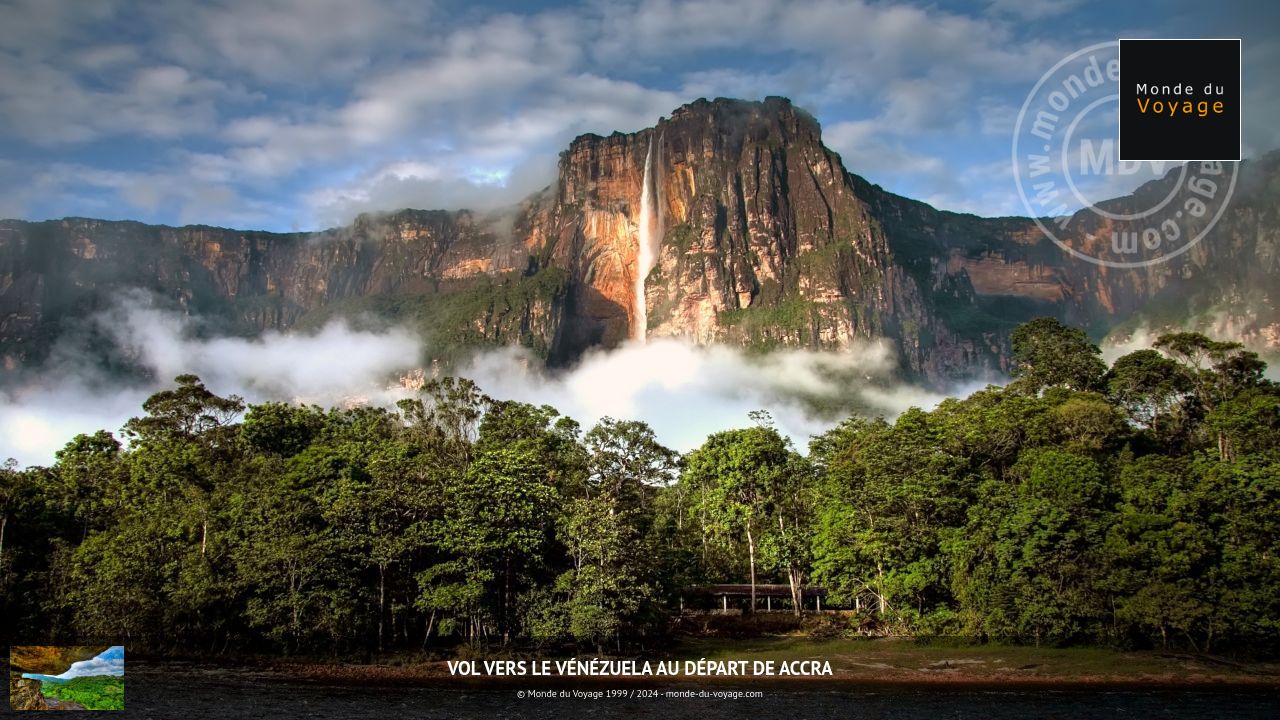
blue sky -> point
(297, 114)
(109, 662)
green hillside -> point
(94, 693)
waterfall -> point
(650, 237)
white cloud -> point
(417, 184)
(42, 28)
(100, 58)
(518, 150)
(656, 383)
(980, 189)
(997, 117)
(294, 42)
(659, 381)
(198, 197)
(95, 667)
(51, 106)
(109, 663)
(1033, 9)
(920, 105)
(40, 417)
(868, 148)
(309, 101)
(273, 365)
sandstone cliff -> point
(766, 241)
(24, 693)
(759, 234)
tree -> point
(888, 494)
(383, 513)
(738, 474)
(291, 571)
(1195, 349)
(446, 417)
(1231, 369)
(790, 548)
(1087, 423)
(1025, 563)
(280, 428)
(188, 411)
(495, 534)
(92, 477)
(608, 586)
(993, 426)
(182, 443)
(119, 582)
(1248, 423)
(1158, 550)
(1240, 497)
(1234, 371)
(9, 490)
(1047, 353)
(626, 461)
(610, 583)
(1053, 516)
(1147, 385)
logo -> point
(1082, 196)
(1180, 99)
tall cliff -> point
(765, 239)
(727, 222)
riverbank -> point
(866, 661)
(229, 692)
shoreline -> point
(855, 663)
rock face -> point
(763, 239)
(459, 274)
(24, 693)
(766, 240)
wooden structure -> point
(736, 595)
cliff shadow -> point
(591, 320)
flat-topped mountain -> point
(728, 222)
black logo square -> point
(1180, 99)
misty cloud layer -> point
(1219, 326)
(684, 391)
(74, 396)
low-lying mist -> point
(683, 390)
(1218, 326)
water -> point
(162, 691)
(650, 237)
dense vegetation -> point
(94, 693)
(464, 315)
(1130, 506)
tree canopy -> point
(1134, 505)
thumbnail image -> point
(66, 677)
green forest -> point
(1130, 506)
(94, 693)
